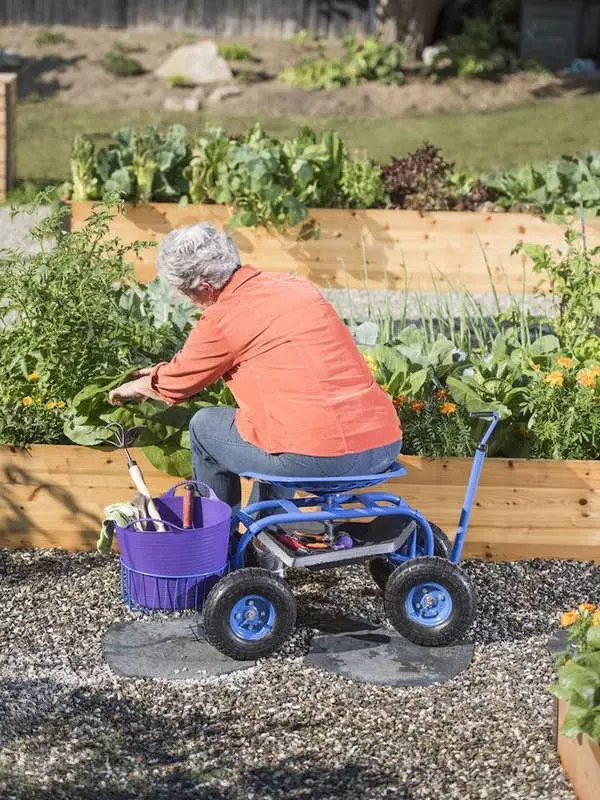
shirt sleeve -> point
(205, 357)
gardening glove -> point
(122, 514)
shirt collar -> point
(239, 277)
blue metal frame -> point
(332, 501)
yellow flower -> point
(448, 408)
(596, 618)
(587, 607)
(534, 365)
(371, 364)
(565, 361)
(33, 376)
(50, 404)
(61, 404)
(554, 378)
(28, 401)
(568, 618)
(586, 378)
(596, 371)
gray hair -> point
(196, 254)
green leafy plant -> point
(231, 51)
(485, 45)
(560, 187)
(122, 65)
(370, 60)
(50, 36)
(83, 170)
(361, 184)
(578, 673)
(70, 312)
(573, 278)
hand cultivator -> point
(248, 611)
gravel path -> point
(71, 729)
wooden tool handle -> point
(188, 505)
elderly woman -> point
(307, 402)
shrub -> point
(176, 80)
(235, 52)
(119, 64)
(72, 312)
(49, 36)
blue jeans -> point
(219, 455)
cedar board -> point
(54, 495)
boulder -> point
(198, 63)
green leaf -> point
(172, 459)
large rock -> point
(198, 63)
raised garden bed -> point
(54, 496)
(580, 759)
(397, 249)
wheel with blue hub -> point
(430, 601)
(381, 567)
(249, 614)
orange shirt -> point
(299, 380)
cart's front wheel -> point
(430, 601)
(381, 567)
(249, 614)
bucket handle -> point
(173, 489)
(170, 526)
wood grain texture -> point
(395, 249)
(580, 759)
(54, 496)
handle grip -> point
(484, 415)
(173, 489)
(187, 515)
(140, 484)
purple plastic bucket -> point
(176, 569)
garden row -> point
(64, 349)
(275, 183)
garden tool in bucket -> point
(123, 438)
(174, 568)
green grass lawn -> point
(475, 141)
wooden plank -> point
(54, 496)
(580, 759)
(397, 249)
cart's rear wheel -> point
(381, 567)
(249, 614)
(430, 601)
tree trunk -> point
(411, 22)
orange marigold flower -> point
(596, 370)
(534, 365)
(568, 618)
(50, 404)
(448, 408)
(400, 401)
(587, 607)
(33, 376)
(565, 361)
(554, 378)
(586, 378)
(27, 401)
(61, 404)
(441, 394)
(417, 405)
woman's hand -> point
(132, 391)
(141, 372)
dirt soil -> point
(72, 72)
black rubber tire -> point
(225, 594)
(381, 567)
(454, 581)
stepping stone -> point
(173, 649)
(379, 655)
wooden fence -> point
(274, 18)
